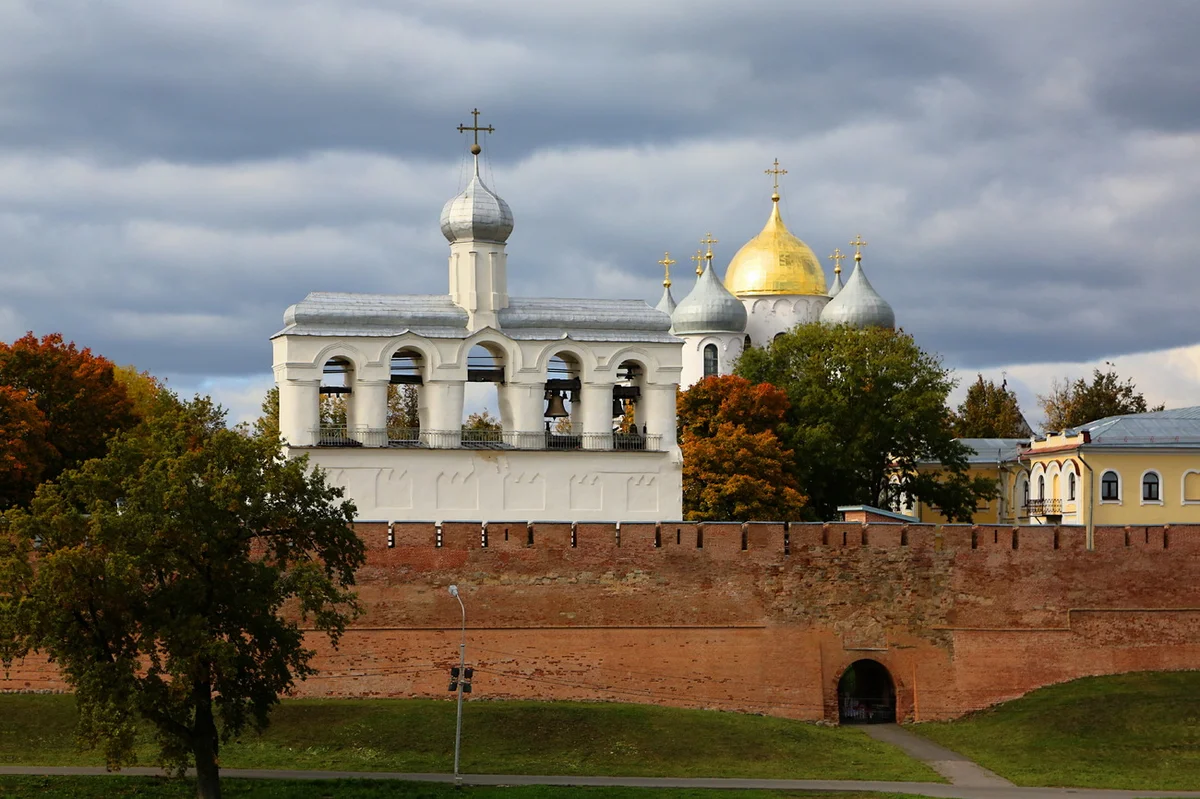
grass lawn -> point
(1136, 731)
(413, 735)
(148, 788)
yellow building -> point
(1136, 469)
(995, 458)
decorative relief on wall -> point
(394, 488)
(587, 492)
(458, 491)
(642, 493)
(524, 491)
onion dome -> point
(667, 303)
(708, 308)
(478, 214)
(858, 304)
(836, 285)
(775, 262)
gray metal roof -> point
(991, 450)
(1178, 427)
(436, 316)
(836, 285)
(709, 308)
(666, 303)
(859, 304)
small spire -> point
(474, 128)
(666, 265)
(858, 244)
(775, 171)
(698, 259)
(837, 259)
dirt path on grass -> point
(959, 770)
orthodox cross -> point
(698, 258)
(837, 259)
(474, 128)
(858, 244)
(776, 172)
(666, 265)
(708, 241)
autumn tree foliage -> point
(990, 411)
(25, 452)
(1074, 402)
(79, 398)
(734, 466)
(162, 576)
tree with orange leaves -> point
(79, 399)
(23, 447)
(734, 466)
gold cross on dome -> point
(837, 259)
(858, 244)
(474, 127)
(698, 259)
(776, 172)
(666, 265)
(708, 241)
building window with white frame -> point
(710, 360)
(1150, 487)
(1071, 487)
(1110, 487)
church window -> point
(1110, 487)
(710, 360)
(1071, 486)
(746, 344)
(1150, 485)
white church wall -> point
(729, 349)
(505, 485)
(767, 317)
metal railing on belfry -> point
(416, 438)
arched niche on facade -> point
(407, 368)
(563, 412)
(630, 423)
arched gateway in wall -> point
(866, 694)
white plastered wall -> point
(767, 317)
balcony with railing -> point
(413, 438)
(1035, 508)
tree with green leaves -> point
(867, 406)
(734, 465)
(990, 411)
(1071, 403)
(172, 577)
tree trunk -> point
(204, 747)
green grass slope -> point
(500, 738)
(1134, 731)
(149, 788)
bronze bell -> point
(618, 407)
(555, 408)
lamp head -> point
(454, 590)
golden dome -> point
(775, 262)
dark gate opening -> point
(866, 694)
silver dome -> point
(858, 304)
(836, 285)
(478, 214)
(709, 308)
(667, 304)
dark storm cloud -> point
(174, 174)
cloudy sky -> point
(174, 173)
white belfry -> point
(597, 358)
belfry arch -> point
(866, 694)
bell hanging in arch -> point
(555, 408)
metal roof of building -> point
(1178, 427)
(991, 450)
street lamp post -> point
(462, 664)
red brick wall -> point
(762, 617)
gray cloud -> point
(174, 174)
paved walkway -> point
(922, 788)
(951, 765)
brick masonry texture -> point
(758, 617)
